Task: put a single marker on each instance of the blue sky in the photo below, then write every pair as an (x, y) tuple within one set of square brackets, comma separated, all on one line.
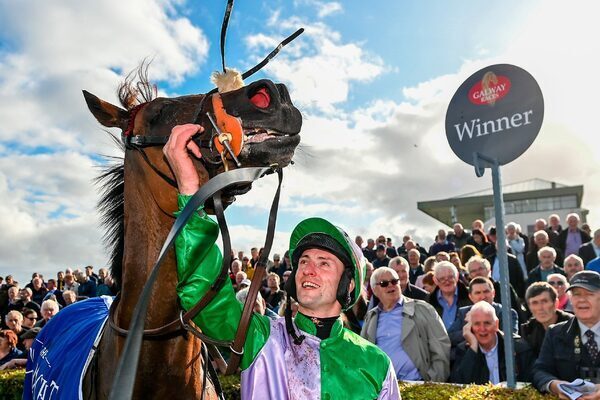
[(372, 79)]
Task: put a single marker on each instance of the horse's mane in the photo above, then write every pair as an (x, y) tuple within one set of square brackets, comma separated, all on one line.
[(111, 208), (135, 89)]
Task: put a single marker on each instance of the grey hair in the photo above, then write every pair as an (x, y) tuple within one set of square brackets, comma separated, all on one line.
[(49, 304), (480, 260), (548, 249), (375, 277), (575, 257), (485, 307), (445, 265)]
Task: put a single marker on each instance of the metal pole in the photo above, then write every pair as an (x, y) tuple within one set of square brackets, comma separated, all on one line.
[(502, 257)]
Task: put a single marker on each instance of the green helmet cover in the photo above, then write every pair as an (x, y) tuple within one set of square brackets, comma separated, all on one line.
[(322, 226)]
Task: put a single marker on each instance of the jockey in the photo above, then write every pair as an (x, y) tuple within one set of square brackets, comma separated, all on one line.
[(310, 358)]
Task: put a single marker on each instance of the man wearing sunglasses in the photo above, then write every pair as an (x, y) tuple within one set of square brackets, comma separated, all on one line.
[(311, 356), (409, 331)]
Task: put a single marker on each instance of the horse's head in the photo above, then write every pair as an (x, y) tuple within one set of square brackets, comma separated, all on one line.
[(270, 123)]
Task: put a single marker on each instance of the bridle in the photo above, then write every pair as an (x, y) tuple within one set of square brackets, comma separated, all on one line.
[(126, 371), (123, 385)]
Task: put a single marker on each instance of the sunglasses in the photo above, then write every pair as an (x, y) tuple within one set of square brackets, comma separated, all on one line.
[(386, 283), (556, 283), (31, 318)]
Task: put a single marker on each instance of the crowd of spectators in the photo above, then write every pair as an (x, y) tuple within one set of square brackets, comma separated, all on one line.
[(25, 310), (436, 312)]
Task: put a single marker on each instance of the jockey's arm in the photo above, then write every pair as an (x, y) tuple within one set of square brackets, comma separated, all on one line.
[(199, 259)]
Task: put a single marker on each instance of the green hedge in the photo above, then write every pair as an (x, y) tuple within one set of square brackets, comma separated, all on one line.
[(429, 391), (11, 384), (11, 387)]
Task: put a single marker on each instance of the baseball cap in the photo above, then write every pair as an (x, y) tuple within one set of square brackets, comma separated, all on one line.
[(246, 282), (30, 333), (589, 280), (380, 247)]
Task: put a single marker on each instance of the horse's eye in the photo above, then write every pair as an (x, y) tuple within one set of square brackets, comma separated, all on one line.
[(261, 98)]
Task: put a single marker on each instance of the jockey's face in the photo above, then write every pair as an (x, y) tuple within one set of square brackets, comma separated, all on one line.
[(317, 280)]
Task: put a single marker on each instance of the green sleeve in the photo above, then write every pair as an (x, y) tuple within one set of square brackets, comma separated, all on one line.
[(198, 265)]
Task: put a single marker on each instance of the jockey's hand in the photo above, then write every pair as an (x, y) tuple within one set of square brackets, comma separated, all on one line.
[(177, 151)]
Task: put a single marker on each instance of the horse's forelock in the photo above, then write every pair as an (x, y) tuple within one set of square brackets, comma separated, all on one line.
[(136, 88)]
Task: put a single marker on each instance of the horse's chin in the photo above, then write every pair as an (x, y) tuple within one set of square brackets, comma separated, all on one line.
[(277, 150)]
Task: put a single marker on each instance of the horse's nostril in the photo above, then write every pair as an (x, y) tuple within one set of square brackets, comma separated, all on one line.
[(261, 98)]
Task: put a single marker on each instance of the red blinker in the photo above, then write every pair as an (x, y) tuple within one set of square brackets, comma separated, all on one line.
[(261, 99)]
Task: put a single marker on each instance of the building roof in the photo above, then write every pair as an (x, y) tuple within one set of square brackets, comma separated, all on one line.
[(471, 206), (522, 186)]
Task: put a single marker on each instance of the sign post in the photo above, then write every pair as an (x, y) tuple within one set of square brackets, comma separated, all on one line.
[(493, 117)]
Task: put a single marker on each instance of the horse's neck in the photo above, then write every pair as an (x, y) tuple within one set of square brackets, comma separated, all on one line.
[(146, 228)]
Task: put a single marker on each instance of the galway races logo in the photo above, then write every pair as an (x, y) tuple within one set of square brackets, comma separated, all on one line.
[(490, 89)]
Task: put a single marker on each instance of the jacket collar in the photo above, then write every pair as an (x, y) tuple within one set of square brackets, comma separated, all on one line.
[(307, 325)]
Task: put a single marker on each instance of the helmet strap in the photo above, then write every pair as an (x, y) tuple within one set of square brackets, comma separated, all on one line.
[(289, 326), (344, 296)]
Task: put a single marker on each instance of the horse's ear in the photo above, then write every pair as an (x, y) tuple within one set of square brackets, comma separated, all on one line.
[(107, 114)]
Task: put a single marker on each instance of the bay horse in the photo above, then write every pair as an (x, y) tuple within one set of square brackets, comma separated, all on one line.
[(138, 205)]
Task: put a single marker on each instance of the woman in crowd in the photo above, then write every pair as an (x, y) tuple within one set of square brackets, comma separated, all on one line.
[(463, 273), (468, 251), (428, 283), (29, 318), (480, 240), (427, 267), (8, 346), (559, 282)]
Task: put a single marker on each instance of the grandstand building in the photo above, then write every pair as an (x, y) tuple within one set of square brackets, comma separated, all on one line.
[(524, 202)]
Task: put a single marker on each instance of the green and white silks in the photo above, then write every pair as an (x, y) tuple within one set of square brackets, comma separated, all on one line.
[(343, 366)]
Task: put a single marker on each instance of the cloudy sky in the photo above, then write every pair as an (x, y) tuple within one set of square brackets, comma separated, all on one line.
[(373, 81)]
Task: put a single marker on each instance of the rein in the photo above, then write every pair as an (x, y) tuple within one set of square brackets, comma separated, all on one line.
[(123, 385)]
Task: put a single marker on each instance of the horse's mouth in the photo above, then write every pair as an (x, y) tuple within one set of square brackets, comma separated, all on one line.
[(264, 147), (259, 135)]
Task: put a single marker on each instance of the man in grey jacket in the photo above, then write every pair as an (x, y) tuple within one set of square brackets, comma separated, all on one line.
[(409, 331)]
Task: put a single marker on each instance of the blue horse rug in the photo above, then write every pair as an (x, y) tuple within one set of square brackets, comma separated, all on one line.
[(63, 350)]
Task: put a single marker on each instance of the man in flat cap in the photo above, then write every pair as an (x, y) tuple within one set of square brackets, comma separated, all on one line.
[(570, 348)]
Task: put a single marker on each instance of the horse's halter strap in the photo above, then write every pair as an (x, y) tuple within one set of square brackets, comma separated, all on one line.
[(123, 385)]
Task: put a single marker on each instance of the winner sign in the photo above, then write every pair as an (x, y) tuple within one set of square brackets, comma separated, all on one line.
[(497, 112)]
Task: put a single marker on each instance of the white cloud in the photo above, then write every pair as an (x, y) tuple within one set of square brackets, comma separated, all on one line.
[(35, 239), (327, 9), (41, 80), (47, 207), (389, 155), (320, 75), (323, 8)]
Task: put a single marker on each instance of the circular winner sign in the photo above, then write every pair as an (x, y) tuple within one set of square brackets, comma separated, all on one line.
[(497, 112)]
